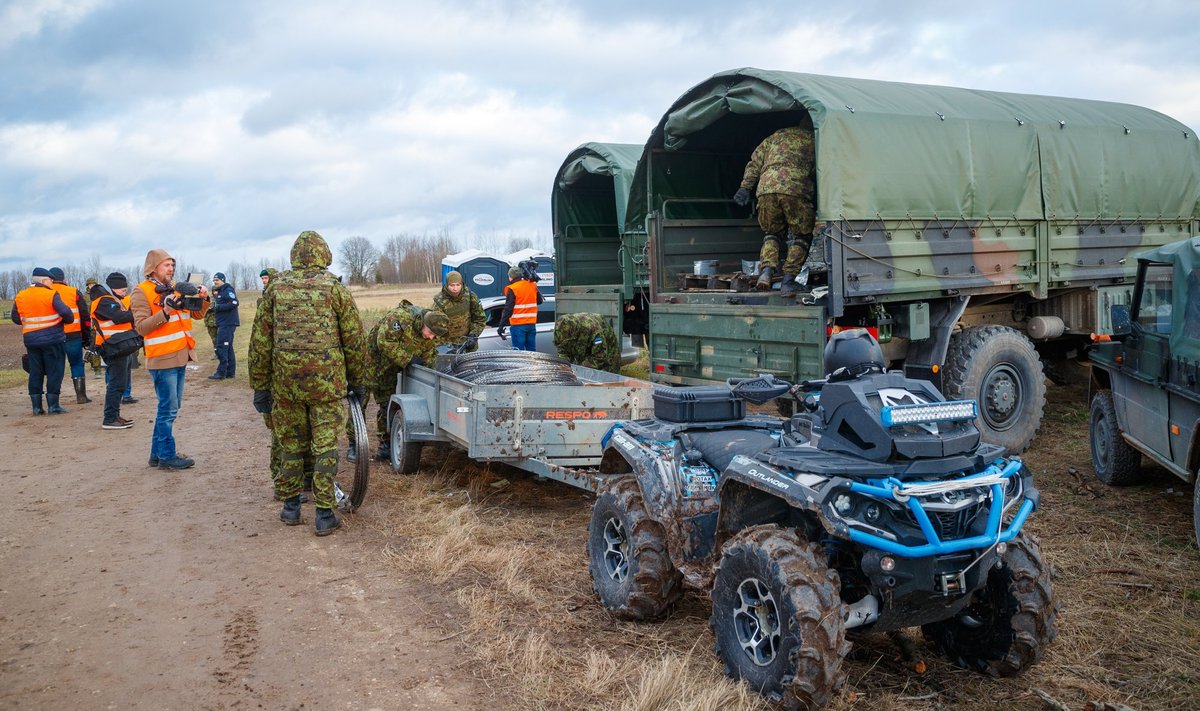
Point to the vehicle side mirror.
(1119, 316)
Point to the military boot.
(789, 285)
(764, 279)
(52, 405)
(80, 390)
(290, 513)
(327, 522)
(37, 404)
(352, 452)
(384, 453)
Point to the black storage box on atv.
(698, 404)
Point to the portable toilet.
(483, 273)
(545, 269)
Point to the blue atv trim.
(891, 489)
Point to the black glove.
(469, 342)
(263, 401)
(173, 302)
(359, 391)
(742, 197)
(500, 333)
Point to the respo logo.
(576, 415)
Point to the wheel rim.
(1100, 436)
(756, 621)
(1002, 396)
(616, 550)
(397, 442)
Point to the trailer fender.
(418, 424)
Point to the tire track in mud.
(238, 653)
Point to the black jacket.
(225, 306)
(109, 309)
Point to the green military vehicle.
(980, 235)
(1145, 384)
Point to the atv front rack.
(996, 477)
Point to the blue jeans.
(168, 386)
(74, 347)
(128, 377)
(524, 338)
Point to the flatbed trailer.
(556, 431)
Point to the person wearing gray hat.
(41, 313)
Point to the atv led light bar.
(952, 411)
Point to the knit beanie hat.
(219, 275)
(56, 273)
(453, 277)
(264, 273)
(116, 280)
(437, 322)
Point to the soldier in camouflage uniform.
(306, 352)
(210, 324)
(782, 167)
(588, 340)
(275, 448)
(463, 310)
(407, 334)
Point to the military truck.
(1145, 385)
(981, 235)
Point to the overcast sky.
(219, 130)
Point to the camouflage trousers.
(212, 333)
(304, 428)
(780, 215)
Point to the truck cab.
(1145, 383)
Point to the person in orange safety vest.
(521, 299)
(41, 313)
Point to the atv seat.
(719, 447)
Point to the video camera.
(528, 269)
(180, 295)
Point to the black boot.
(52, 405)
(80, 390)
(352, 453)
(788, 285)
(384, 453)
(764, 279)
(327, 522)
(37, 404)
(290, 513)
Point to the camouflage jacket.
(396, 341)
(307, 341)
(783, 164)
(464, 311)
(588, 340)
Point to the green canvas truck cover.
(888, 150)
(1185, 314)
(615, 160)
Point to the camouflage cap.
(453, 277)
(437, 322)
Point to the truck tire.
(1011, 620)
(1115, 462)
(1196, 508)
(631, 567)
(999, 368)
(405, 456)
(778, 617)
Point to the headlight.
(953, 411)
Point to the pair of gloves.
(264, 402)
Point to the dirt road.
(126, 586)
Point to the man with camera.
(521, 299)
(112, 319)
(163, 310)
(225, 305)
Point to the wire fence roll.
(497, 367)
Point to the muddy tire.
(1115, 462)
(1011, 620)
(778, 617)
(1196, 509)
(631, 567)
(999, 368)
(405, 456)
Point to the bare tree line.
(405, 258)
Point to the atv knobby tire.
(1009, 622)
(405, 456)
(998, 367)
(778, 617)
(631, 567)
(1115, 462)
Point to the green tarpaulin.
(1185, 314)
(895, 151)
(578, 199)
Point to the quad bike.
(874, 507)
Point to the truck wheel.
(406, 456)
(631, 567)
(1196, 509)
(1115, 462)
(778, 617)
(1010, 620)
(998, 367)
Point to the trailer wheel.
(778, 617)
(999, 368)
(1115, 462)
(631, 567)
(1010, 620)
(405, 456)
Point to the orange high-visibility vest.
(106, 329)
(172, 336)
(35, 305)
(70, 297)
(525, 310)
